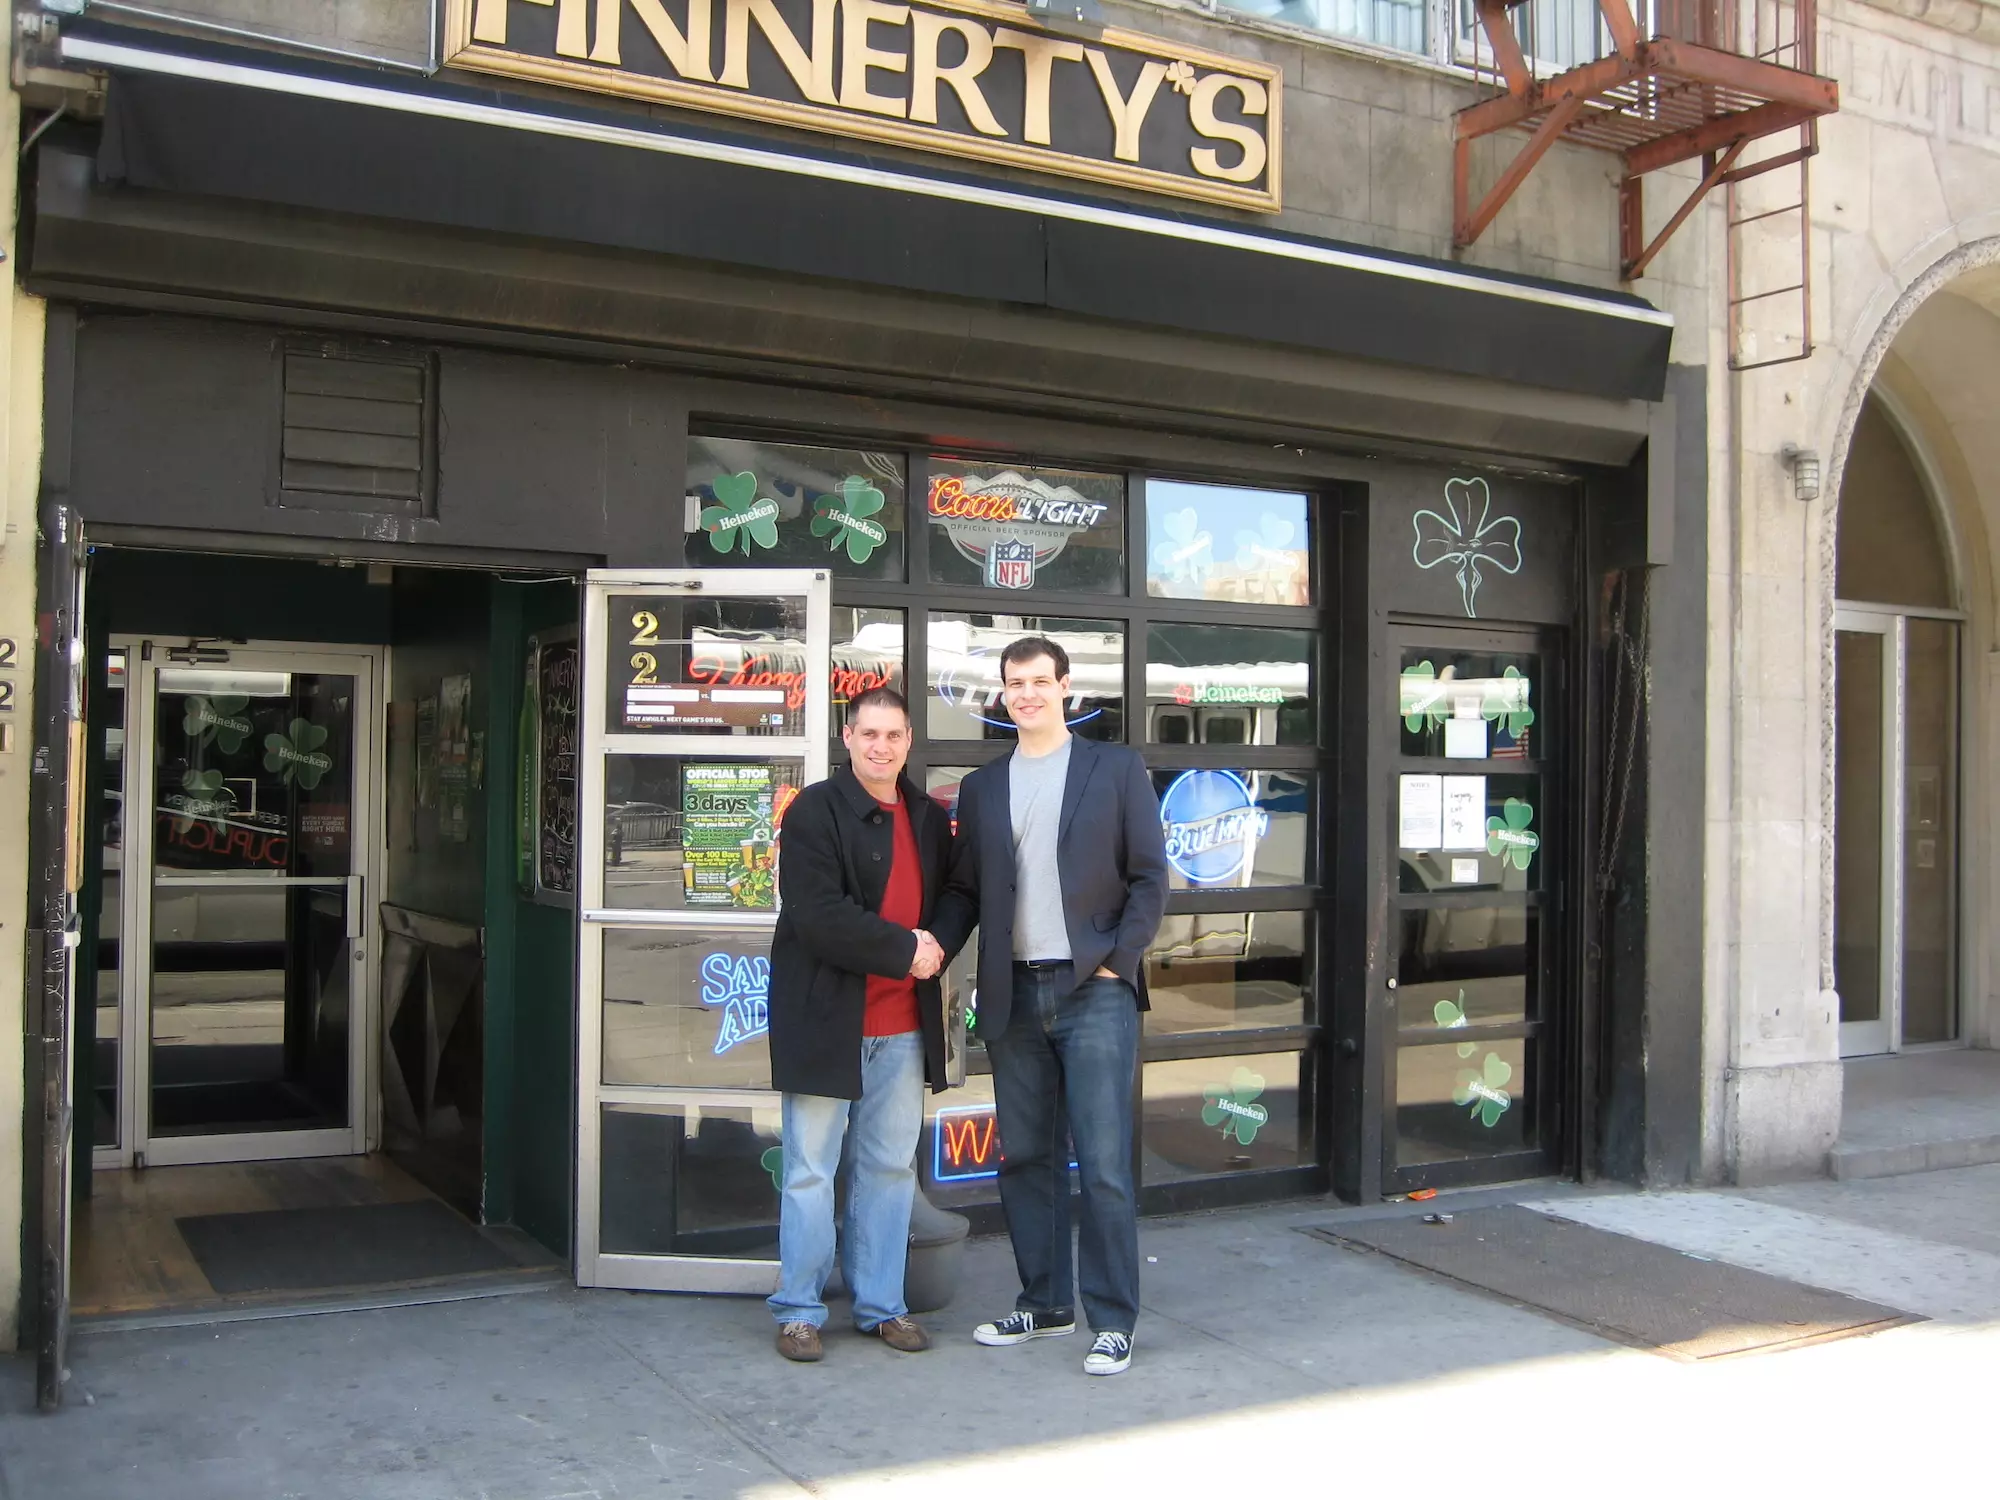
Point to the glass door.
(243, 902)
(1895, 911)
(706, 708)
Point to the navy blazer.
(1110, 855)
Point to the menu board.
(555, 770)
(728, 856)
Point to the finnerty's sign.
(968, 78)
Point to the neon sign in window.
(741, 985)
(965, 1144)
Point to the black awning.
(436, 154)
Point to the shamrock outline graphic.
(1509, 835)
(1472, 540)
(297, 754)
(1185, 554)
(773, 1162)
(1497, 707)
(842, 517)
(1430, 706)
(1451, 1016)
(739, 521)
(1232, 1106)
(1270, 543)
(1484, 1089)
(215, 718)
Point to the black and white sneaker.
(1019, 1327)
(1109, 1355)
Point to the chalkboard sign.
(555, 798)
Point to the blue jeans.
(875, 1235)
(1065, 1066)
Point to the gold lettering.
(857, 57)
(686, 55)
(489, 21)
(962, 78)
(1039, 55)
(489, 24)
(1128, 116)
(813, 73)
(1201, 112)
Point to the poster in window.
(728, 852)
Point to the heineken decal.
(1421, 697)
(203, 800)
(773, 1162)
(1234, 1108)
(1509, 835)
(1506, 702)
(297, 754)
(1185, 555)
(742, 519)
(845, 519)
(219, 719)
(1451, 1016)
(1484, 1089)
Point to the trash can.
(937, 1253)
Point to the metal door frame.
(137, 1147)
(668, 1273)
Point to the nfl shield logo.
(1011, 565)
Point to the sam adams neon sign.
(741, 985)
(1212, 824)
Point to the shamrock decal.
(1183, 555)
(298, 754)
(1485, 1089)
(216, 719)
(1451, 1016)
(1506, 703)
(1180, 73)
(1268, 546)
(1422, 697)
(742, 518)
(1469, 536)
(843, 519)
(202, 802)
(1509, 835)
(773, 1162)
(1233, 1107)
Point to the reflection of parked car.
(641, 825)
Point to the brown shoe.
(800, 1342)
(904, 1334)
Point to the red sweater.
(892, 1003)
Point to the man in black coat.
(1061, 854)
(856, 1024)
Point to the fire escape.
(1728, 83)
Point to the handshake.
(930, 957)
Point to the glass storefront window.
(1212, 1116)
(867, 653)
(681, 832)
(1229, 685)
(1222, 971)
(1470, 832)
(959, 1155)
(1457, 1101)
(684, 1006)
(1014, 527)
(689, 1179)
(1229, 828)
(705, 666)
(782, 505)
(1468, 705)
(1396, 24)
(963, 697)
(1466, 966)
(1244, 546)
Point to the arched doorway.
(1897, 730)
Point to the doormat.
(1626, 1289)
(313, 1249)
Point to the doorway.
(239, 842)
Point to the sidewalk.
(1266, 1358)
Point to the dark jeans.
(1064, 1067)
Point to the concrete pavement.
(1266, 1359)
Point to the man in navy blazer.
(1061, 858)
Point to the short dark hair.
(885, 697)
(1027, 648)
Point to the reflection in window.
(1468, 705)
(1460, 1101)
(1228, 685)
(1206, 541)
(1396, 24)
(963, 701)
(1233, 828)
(1012, 527)
(1219, 971)
(867, 653)
(705, 666)
(778, 505)
(1210, 1116)
(1465, 966)
(689, 1179)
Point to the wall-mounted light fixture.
(1804, 464)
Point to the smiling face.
(1034, 694)
(878, 742)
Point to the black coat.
(1112, 860)
(833, 869)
